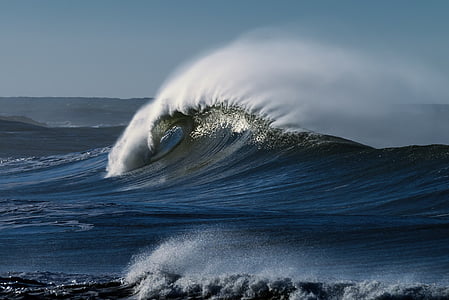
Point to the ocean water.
(232, 209)
(209, 195)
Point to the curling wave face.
(294, 86)
(206, 137)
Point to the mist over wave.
(297, 85)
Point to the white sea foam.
(208, 259)
(298, 85)
(219, 265)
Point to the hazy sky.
(127, 48)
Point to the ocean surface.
(214, 202)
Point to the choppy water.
(219, 198)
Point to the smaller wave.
(72, 111)
(19, 139)
(172, 286)
(12, 165)
(205, 265)
(44, 285)
(246, 286)
(20, 119)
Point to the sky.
(108, 48)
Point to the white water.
(227, 265)
(298, 85)
(211, 258)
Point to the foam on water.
(213, 264)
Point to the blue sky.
(127, 48)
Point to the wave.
(206, 265)
(71, 111)
(200, 266)
(22, 137)
(244, 286)
(294, 86)
(210, 135)
(45, 285)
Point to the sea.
(215, 202)
(268, 168)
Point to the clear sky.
(127, 48)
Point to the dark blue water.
(226, 212)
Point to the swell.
(306, 174)
(243, 158)
(71, 111)
(250, 165)
(21, 137)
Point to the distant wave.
(72, 112)
(23, 120)
(295, 86)
(23, 137)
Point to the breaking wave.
(205, 265)
(293, 86)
